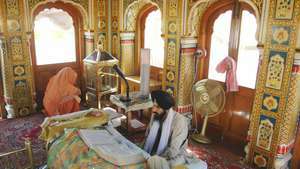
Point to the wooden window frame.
(78, 29)
(206, 30)
(155, 72)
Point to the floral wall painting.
(275, 69)
(19, 70)
(170, 90)
(260, 160)
(265, 132)
(172, 27)
(171, 52)
(280, 35)
(284, 9)
(270, 103)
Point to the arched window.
(57, 42)
(54, 35)
(228, 28)
(234, 35)
(153, 39)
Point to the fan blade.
(214, 92)
(213, 106)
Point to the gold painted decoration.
(172, 8)
(16, 48)
(102, 39)
(23, 111)
(83, 3)
(115, 44)
(171, 52)
(101, 25)
(6, 74)
(284, 9)
(12, 8)
(259, 5)
(265, 132)
(13, 25)
(170, 90)
(172, 27)
(271, 131)
(280, 35)
(126, 3)
(170, 76)
(132, 12)
(21, 92)
(19, 70)
(289, 124)
(270, 102)
(275, 69)
(260, 160)
(102, 12)
(114, 25)
(195, 14)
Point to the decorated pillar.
(127, 52)
(6, 76)
(272, 126)
(172, 30)
(89, 42)
(115, 39)
(16, 63)
(186, 73)
(32, 81)
(101, 23)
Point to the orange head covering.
(59, 87)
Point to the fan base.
(201, 138)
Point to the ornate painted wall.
(172, 30)
(102, 24)
(194, 12)
(16, 27)
(115, 26)
(273, 119)
(15, 57)
(128, 37)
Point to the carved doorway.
(56, 43)
(228, 28)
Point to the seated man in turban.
(61, 95)
(166, 136)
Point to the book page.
(96, 137)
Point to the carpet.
(13, 131)
(12, 138)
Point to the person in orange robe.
(61, 95)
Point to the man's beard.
(160, 116)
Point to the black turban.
(163, 99)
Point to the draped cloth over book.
(54, 126)
(228, 65)
(70, 151)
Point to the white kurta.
(175, 153)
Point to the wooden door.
(226, 32)
(44, 69)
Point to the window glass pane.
(248, 56)
(219, 45)
(153, 39)
(54, 37)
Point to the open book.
(110, 145)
